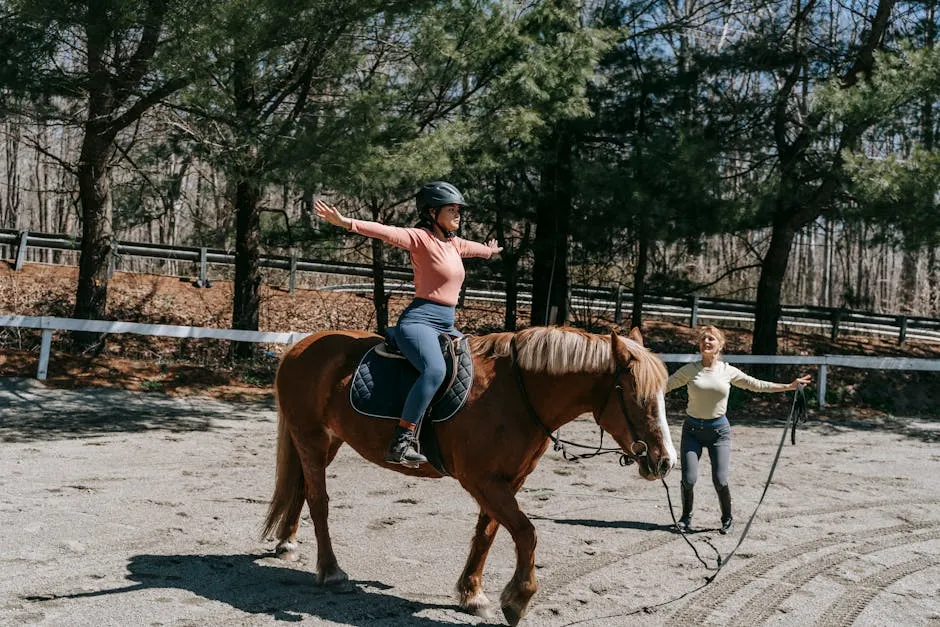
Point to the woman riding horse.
(436, 254)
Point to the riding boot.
(402, 449)
(724, 500)
(688, 492)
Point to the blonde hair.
(711, 330)
(562, 350)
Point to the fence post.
(694, 320)
(45, 348)
(203, 265)
(293, 271)
(618, 306)
(21, 251)
(821, 389)
(902, 333)
(836, 321)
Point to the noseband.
(638, 448)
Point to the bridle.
(638, 448)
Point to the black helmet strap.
(446, 233)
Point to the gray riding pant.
(418, 328)
(714, 435)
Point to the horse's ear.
(635, 335)
(620, 352)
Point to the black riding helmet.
(435, 195)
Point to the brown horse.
(526, 385)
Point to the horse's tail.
(288, 495)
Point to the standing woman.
(709, 382)
(436, 257)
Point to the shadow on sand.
(251, 584)
(30, 412)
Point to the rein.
(638, 448)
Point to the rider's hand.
(331, 215)
(494, 246)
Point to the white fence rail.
(50, 324)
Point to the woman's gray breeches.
(714, 435)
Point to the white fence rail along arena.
(49, 324)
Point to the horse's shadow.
(248, 584)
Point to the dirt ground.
(131, 508)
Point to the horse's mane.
(562, 350)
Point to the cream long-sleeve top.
(438, 264)
(710, 387)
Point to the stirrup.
(410, 458)
(404, 453)
(685, 524)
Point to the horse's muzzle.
(663, 468)
(652, 470)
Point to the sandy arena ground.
(121, 508)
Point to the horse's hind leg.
(470, 584)
(287, 535)
(317, 456)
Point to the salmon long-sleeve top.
(438, 264)
(709, 388)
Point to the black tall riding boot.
(688, 492)
(402, 449)
(724, 500)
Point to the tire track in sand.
(851, 605)
(766, 603)
(700, 607)
(563, 578)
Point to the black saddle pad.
(381, 384)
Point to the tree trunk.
(12, 205)
(97, 247)
(379, 298)
(639, 280)
(933, 281)
(509, 257)
(306, 210)
(552, 216)
(908, 288)
(773, 271)
(247, 256)
(511, 277)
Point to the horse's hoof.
(287, 551)
(483, 612)
(334, 579)
(478, 605)
(513, 615)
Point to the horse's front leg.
(498, 499)
(470, 584)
